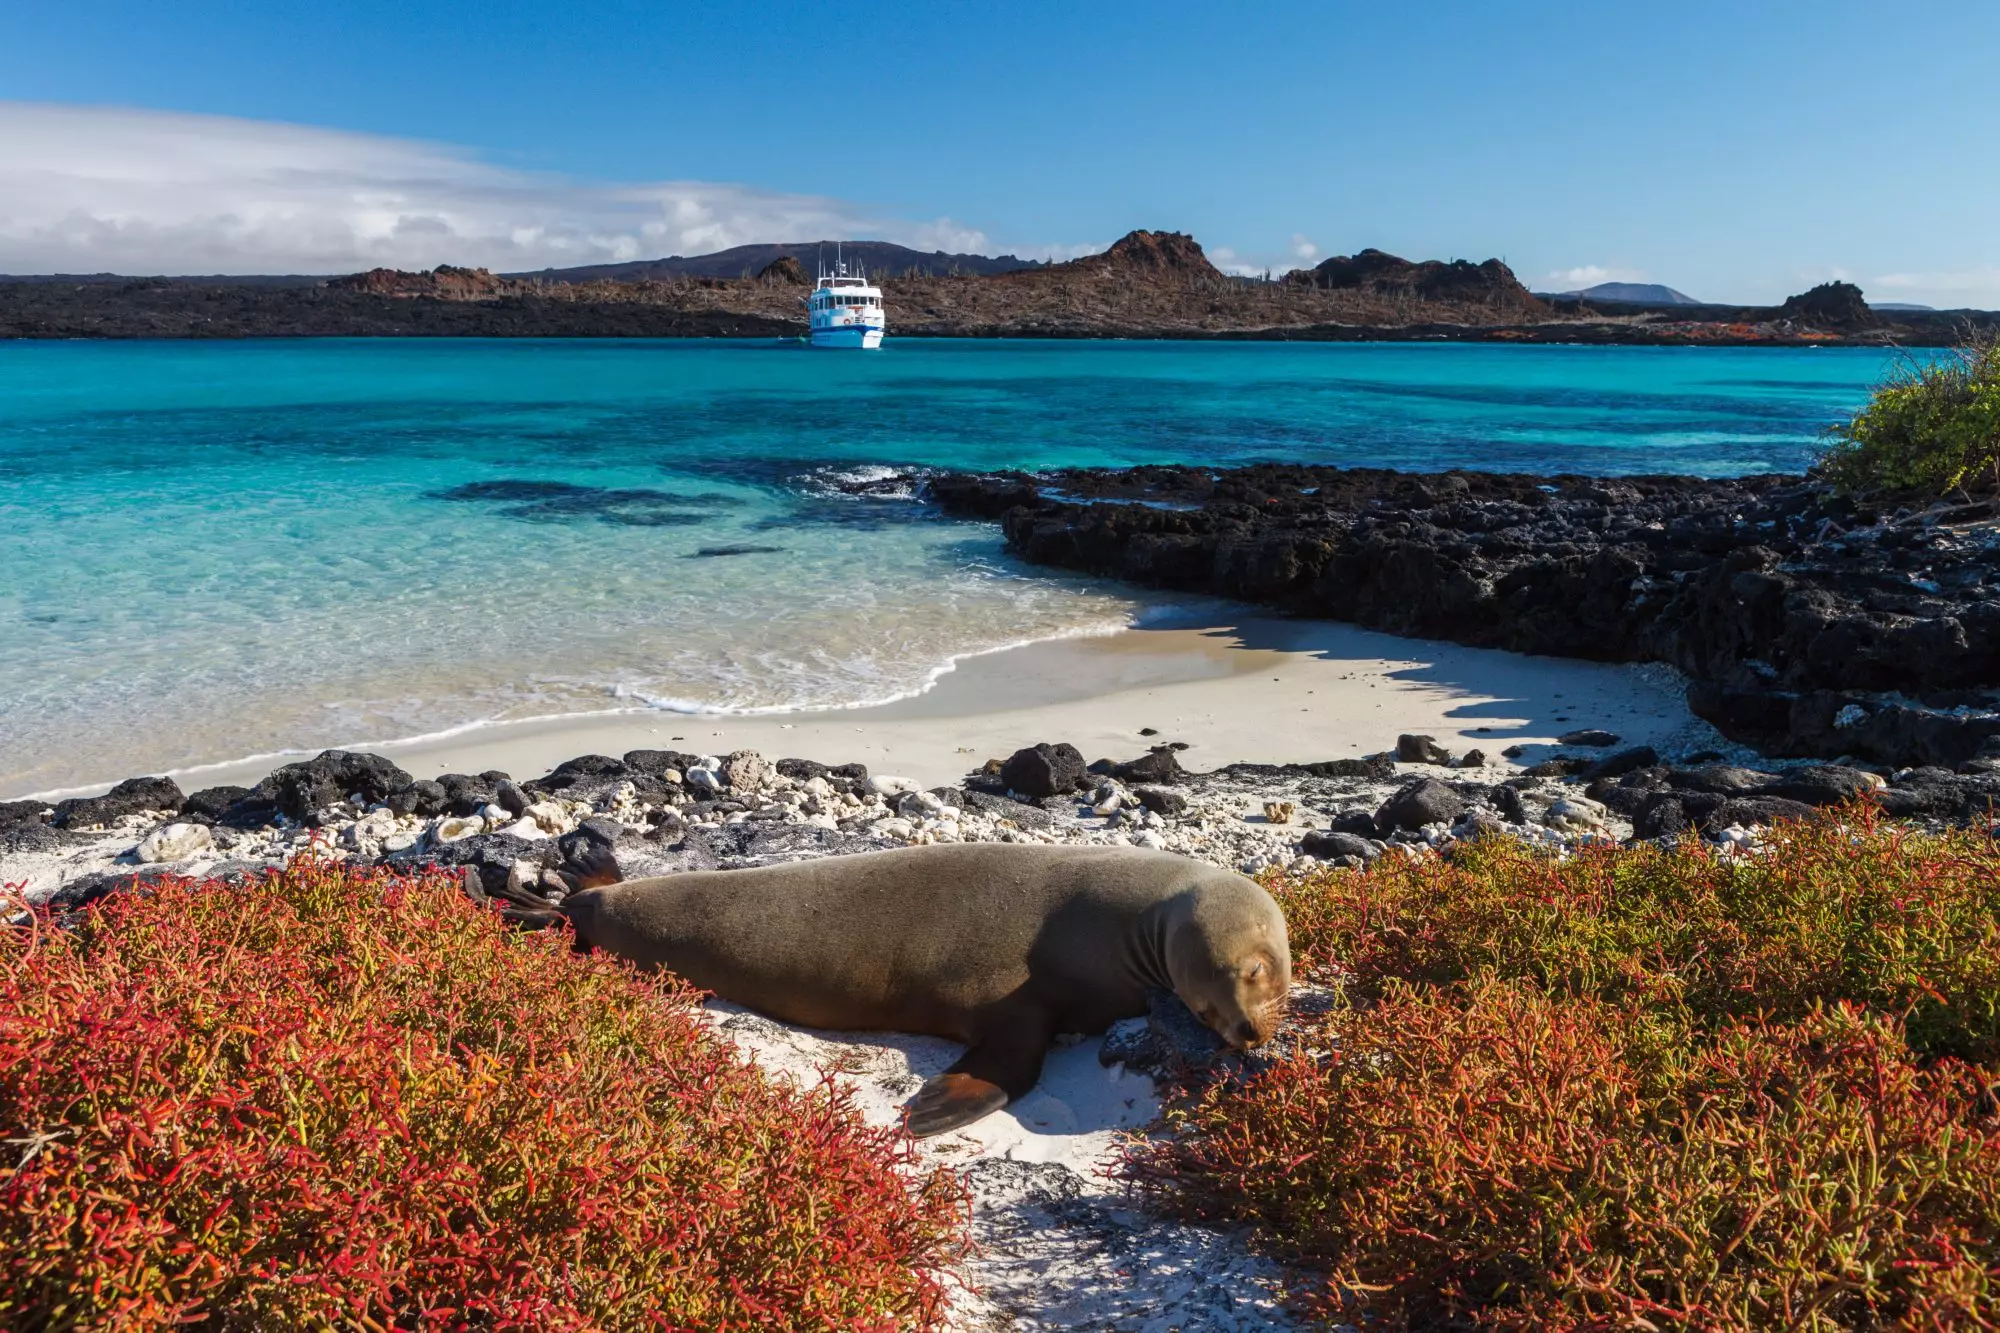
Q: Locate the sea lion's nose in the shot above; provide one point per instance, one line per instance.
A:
(1245, 1034)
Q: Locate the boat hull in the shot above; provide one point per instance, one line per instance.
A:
(855, 336)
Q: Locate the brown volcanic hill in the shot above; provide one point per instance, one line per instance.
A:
(784, 271)
(1147, 255)
(452, 284)
(1491, 285)
(880, 258)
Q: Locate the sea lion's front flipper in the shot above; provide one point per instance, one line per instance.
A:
(995, 1070)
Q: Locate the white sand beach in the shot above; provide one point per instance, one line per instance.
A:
(1256, 689)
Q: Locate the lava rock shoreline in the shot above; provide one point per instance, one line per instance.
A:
(531, 843)
(1808, 624)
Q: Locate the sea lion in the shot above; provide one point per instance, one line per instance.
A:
(998, 945)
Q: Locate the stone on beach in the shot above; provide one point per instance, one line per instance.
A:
(1044, 770)
(130, 797)
(1419, 802)
(174, 842)
(1421, 750)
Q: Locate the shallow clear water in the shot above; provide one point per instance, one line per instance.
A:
(211, 550)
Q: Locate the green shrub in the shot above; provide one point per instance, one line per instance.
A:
(343, 1098)
(1932, 429)
(1634, 1088)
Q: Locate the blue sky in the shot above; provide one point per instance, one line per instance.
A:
(1737, 151)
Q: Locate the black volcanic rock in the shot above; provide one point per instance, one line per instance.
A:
(298, 791)
(129, 797)
(1419, 802)
(1837, 306)
(1044, 770)
(1808, 624)
(24, 812)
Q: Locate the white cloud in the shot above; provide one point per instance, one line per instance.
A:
(84, 189)
(1589, 275)
(1979, 287)
(1303, 248)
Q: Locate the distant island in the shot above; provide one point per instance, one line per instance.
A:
(1149, 284)
(1634, 293)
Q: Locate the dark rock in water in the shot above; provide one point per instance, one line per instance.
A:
(1328, 844)
(1417, 803)
(1421, 750)
(1822, 784)
(1157, 765)
(1591, 736)
(1720, 780)
(1514, 751)
(718, 552)
(1044, 770)
(210, 804)
(127, 798)
(1162, 801)
(1625, 761)
(24, 812)
(423, 798)
(1507, 800)
(300, 791)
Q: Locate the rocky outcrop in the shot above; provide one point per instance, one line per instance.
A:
(1152, 256)
(1835, 306)
(1490, 285)
(784, 271)
(1809, 626)
(459, 284)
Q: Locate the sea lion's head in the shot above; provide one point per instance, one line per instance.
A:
(1230, 960)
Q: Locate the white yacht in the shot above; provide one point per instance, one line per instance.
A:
(845, 311)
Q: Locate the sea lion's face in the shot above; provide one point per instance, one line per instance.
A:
(1232, 967)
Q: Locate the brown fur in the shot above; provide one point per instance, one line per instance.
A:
(997, 945)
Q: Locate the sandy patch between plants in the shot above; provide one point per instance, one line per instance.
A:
(1058, 1244)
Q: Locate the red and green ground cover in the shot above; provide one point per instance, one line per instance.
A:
(1639, 1088)
(339, 1098)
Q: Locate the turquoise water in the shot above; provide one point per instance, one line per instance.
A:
(212, 550)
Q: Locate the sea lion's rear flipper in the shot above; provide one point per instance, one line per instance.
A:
(952, 1101)
(588, 864)
(995, 1070)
